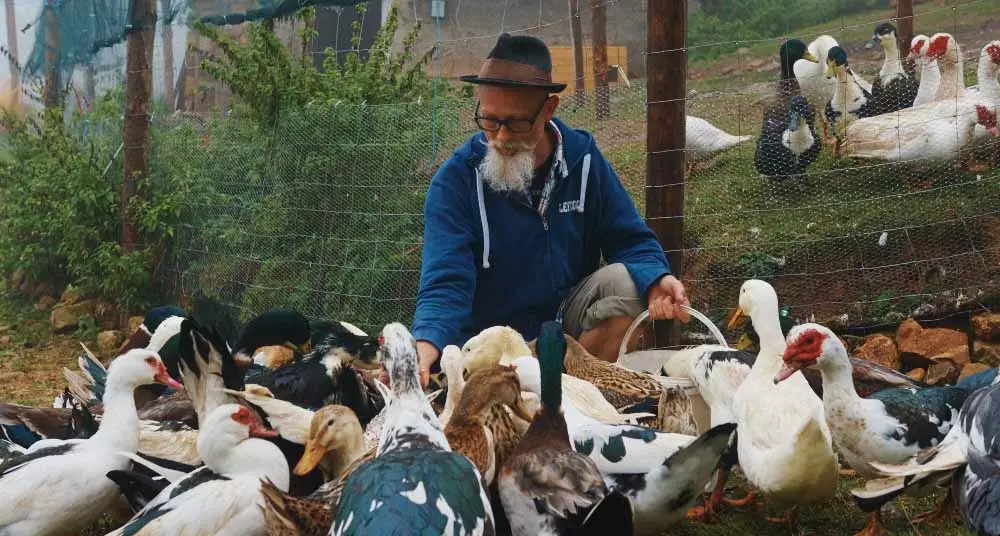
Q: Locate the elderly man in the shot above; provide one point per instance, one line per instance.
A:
(517, 220)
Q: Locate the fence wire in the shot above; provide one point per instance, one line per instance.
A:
(323, 211)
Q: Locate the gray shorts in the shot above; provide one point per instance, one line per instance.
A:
(606, 293)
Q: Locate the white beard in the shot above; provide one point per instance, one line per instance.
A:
(508, 173)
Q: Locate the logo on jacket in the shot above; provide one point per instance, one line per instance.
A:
(569, 206)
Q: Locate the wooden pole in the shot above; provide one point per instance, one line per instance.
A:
(90, 86)
(52, 72)
(666, 66)
(576, 30)
(904, 26)
(599, 42)
(138, 88)
(168, 58)
(15, 75)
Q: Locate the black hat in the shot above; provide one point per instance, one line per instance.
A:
(517, 61)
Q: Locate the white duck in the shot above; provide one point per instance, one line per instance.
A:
(930, 74)
(814, 82)
(61, 488)
(888, 427)
(933, 132)
(784, 445)
(703, 138)
(223, 497)
(945, 49)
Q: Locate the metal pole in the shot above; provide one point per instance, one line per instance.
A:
(138, 88)
(666, 69)
(437, 80)
(168, 57)
(576, 31)
(599, 42)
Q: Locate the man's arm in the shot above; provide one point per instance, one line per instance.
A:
(448, 272)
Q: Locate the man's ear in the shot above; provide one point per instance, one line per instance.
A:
(551, 105)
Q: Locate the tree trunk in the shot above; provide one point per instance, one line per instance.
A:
(576, 31)
(53, 83)
(15, 74)
(168, 59)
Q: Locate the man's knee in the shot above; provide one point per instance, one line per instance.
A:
(615, 280)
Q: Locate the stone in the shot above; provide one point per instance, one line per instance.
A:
(917, 374)
(972, 368)
(942, 371)
(134, 322)
(987, 353)
(44, 288)
(17, 279)
(881, 350)
(987, 327)
(71, 295)
(918, 344)
(45, 303)
(5, 340)
(109, 341)
(66, 318)
(106, 315)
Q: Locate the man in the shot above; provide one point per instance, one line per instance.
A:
(518, 218)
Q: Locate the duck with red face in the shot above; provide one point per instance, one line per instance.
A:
(888, 427)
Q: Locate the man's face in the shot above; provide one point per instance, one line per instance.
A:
(510, 159)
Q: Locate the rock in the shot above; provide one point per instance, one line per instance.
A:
(106, 315)
(109, 341)
(881, 350)
(972, 368)
(66, 318)
(987, 326)
(71, 295)
(45, 303)
(942, 371)
(987, 353)
(43, 289)
(133, 323)
(5, 340)
(918, 345)
(918, 374)
(17, 279)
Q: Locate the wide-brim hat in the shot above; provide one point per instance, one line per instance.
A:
(517, 61)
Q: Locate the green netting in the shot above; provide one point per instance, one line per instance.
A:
(87, 26)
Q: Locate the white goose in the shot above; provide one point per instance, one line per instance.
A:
(945, 49)
(61, 488)
(223, 497)
(784, 443)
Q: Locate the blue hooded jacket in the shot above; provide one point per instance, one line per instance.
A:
(489, 258)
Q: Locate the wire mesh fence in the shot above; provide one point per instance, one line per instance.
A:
(323, 210)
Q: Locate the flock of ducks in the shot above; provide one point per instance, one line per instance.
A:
(897, 118)
(292, 427)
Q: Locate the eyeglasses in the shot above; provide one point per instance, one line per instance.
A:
(515, 125)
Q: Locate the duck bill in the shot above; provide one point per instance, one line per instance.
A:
(258, 430)
(871, 44)
(310, 458)
(993, 131)
(745, 342)
(737, 319)
(831, 71)
(163, 377)
(808, 56)
(787, 369)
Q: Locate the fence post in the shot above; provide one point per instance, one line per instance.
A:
(15, 75)
(52, 72)
(576, 31)
(666, 71)
(904, 25)
(599, 42)
(138, 88)
(168, 56)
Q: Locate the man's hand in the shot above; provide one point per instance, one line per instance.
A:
(428, 355)
(665, 299)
